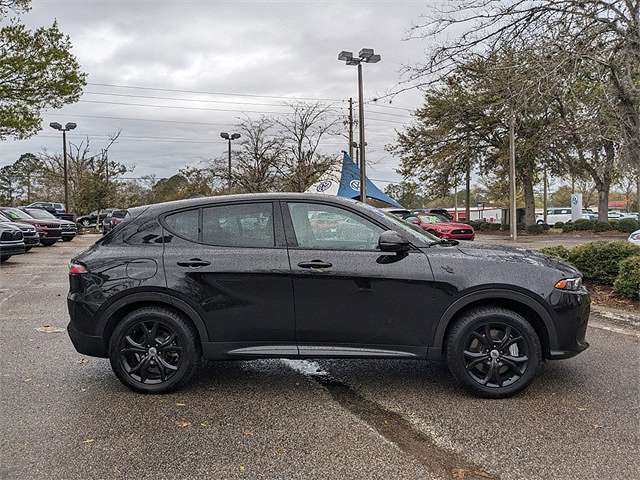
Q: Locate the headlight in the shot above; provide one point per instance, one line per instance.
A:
(569, 284)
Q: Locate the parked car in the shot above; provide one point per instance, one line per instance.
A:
(441, 226)
(69, 229)
(555, 215)
(635, 237)
(215, 278)
(438, 211)
(50, 231)
(51, 207)
(11, 241)
(94, 218)
(56, 209)
(29, 232)
(113, 219)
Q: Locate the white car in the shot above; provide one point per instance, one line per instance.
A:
(562, 215)
(635, 237)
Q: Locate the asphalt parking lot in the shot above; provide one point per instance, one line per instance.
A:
(66, 416)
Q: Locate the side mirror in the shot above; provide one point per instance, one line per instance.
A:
(392, 241)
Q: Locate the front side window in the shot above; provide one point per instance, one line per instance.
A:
(326, 227)
(184, 224)
(239, 225)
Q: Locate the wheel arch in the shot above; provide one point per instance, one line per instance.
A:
(529, 308)
(115, 312)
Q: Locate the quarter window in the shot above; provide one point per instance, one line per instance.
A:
(330, 228)
(184, 224)
(239, 225)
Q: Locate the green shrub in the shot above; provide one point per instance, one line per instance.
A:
(627, 282)
(600, 261)
(558, 251)
(535, 229)
(568, 227)
(627, 225)
(583, 224)
(613, 224)
(558, 225)
(491, 227)
(599, 226)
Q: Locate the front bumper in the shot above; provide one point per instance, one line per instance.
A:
(32, 240)
(571, 311)
(9, 249)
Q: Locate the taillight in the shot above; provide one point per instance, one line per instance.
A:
(77, 269)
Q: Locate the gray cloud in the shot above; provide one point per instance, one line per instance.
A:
(264, 48)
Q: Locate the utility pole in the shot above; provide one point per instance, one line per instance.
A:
(351, 128)
(67, 127)
(544, 194)
(455, 200)
(365, 55)
(229, 137)
(467, 207)
(513, 213)
(363, 164)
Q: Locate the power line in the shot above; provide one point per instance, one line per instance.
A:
(191, 99)
(182, 107)
(137, 87)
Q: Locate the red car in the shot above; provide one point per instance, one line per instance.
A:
(442, 227)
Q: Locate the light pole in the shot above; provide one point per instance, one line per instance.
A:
(229, 137)
(64, 130)
(366, 55)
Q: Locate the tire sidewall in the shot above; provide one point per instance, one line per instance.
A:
(184, 338)
(457, 344)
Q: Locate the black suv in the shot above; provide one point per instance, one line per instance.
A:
(300, 276)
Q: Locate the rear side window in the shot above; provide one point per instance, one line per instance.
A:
(240, 225)
(184, 224)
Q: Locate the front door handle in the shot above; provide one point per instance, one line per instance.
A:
(194, 262)
(315, 264)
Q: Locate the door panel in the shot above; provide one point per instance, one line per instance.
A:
(244, 293)
(349, 294)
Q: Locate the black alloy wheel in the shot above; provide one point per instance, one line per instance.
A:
(154, 350)
(496, 355)
(494, 352)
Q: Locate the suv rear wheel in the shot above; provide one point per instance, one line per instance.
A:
(493, 352)
(154, 350)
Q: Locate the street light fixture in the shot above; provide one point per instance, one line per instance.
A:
(366, 55)
(229, 138)
(64, 130)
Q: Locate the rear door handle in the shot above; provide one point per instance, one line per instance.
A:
(315, 264)
(194, 262)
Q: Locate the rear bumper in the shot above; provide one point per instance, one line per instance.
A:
(86, 344)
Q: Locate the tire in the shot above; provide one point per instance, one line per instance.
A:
(48, 243)
(4, 258)
(26, 249)
(67, 239)
(181, 352)
(471, 356)
(85, 223)
(540, 222)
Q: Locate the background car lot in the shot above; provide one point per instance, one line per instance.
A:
(298, 419)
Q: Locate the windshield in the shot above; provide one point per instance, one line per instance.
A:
(39, 213)
(433, 218)
(15, 214)
(4, 219)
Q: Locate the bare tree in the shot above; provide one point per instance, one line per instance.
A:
(256, 164)
(303, 131)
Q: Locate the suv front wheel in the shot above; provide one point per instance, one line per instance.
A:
(494, 352)
(154, 350)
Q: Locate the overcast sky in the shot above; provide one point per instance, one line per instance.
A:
(270, 48)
